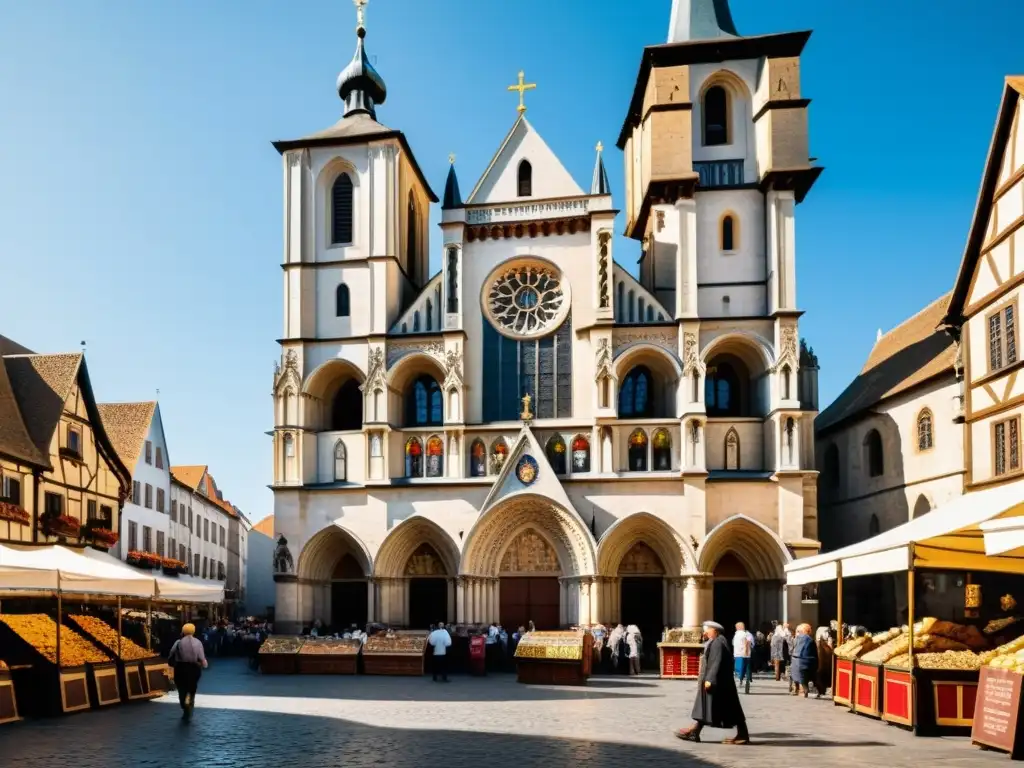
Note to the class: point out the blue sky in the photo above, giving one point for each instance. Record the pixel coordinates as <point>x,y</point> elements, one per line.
<point>140,199</point>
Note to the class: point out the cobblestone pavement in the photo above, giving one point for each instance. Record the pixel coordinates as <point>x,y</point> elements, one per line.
<point>243,718</point>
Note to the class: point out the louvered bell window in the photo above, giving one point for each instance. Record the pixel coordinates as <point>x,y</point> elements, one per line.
<point>341,210</point>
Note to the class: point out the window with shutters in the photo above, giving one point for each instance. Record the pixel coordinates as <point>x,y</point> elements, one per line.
<point>1002,337</point>
<point>159,457</point>
<point>136,492</point>
<point>341,210</point>
<point>90,509</point>
<point>160,543</point>
<point>541,368</point>
<point>133,536</point>
<point>149,496</point>
<point>149,451</point>
<point>159,499</point>
<point>147,539</point>
<point>11,491</point>
<point>1006,446</point>
<point>174,510</point>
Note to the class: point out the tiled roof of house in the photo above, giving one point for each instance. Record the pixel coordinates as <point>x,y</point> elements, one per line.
<point>189,476</point>
<point>265,526</point>
<point>127,425</point>
<point>912,353</point>
<point>11,347</point>
<point>41,384</point>
<point>15,441</point>
<point>211,492</point>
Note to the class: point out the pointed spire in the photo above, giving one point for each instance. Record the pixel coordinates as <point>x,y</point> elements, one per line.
<point>452,197</point>
<point>359,84</point>
<point>600,185</point>
<point>700,20</point>
<point>878,336</point>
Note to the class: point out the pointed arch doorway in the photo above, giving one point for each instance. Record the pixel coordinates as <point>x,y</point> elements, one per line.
<point>349,597</point>
<point>731,602</point>
<point>428,587</point>
<point>642,596</point>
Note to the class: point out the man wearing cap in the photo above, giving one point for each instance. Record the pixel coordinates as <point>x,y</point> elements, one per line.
<point>717,703</point>
<point>189,660</point>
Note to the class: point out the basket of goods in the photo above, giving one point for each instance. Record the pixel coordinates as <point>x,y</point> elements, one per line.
<point>102,633</point>
<point>278,655</point>
<point>552,646</point>
<point>329,656</point>
<point>959,660</point>
<point>395,653</point>
<point>855,648</point>
<point>46,685</point>
<point>1008,656</point>
<point>901,644</point>
<point>685,636</point>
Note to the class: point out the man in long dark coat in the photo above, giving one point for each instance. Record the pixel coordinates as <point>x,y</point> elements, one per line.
<point>717,703</point>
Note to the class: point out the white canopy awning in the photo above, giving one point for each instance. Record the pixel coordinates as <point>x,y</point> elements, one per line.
<point>951,537</point>
<point>20,569</point>
<point>186,589</point>
<point>56,567</point>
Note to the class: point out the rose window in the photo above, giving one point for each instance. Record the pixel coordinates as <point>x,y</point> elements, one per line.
<point>526,300</point>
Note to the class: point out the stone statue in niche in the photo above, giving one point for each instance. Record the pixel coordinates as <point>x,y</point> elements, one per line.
<point>732,450</point>
<point>530,553</point>
<point>424,562</point>
<point>641,560</point>
<point>283,562</point>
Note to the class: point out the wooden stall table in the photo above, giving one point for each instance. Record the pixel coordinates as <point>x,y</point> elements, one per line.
<point>931,702</point>
<point>128,674</point>
<point>680,661</point>
<point>279,655</point>
<point>555,658</point>
<point>843,675</point>
<point>329,656</point>
<point>868,691</point>
<point>8,699</point>
<point>395,653</point>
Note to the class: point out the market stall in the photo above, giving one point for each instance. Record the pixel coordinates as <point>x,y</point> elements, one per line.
<point>329,656</point>
<point>129,655</point>
<point>8,699</point>
<point>679,654</point>
<point>393,652</point>
<point>279,655</point>
<point>925,678</point>
<point>555,658</point>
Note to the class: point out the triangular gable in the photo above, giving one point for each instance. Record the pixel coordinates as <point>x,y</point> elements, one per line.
<point>104,445</point>
<point>127,425</point>
<point>499,183</point>
<point>508,484</point>
<point>967,289</point>
<point>158,422</point>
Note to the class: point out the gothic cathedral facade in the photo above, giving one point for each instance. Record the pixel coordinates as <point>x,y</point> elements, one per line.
<point>532,433</point>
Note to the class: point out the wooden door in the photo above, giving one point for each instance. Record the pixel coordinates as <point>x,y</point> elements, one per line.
<point>532,598</point>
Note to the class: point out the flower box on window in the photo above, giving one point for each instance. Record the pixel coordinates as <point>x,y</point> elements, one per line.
<point>12,513</point>
<point>99,535</point>
<point>62,525</point>
<point>146,560</point>
<point>172,567</point>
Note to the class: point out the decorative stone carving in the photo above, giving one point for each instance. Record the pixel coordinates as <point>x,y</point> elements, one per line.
<point>787,349</point>
<point>641,560</point>
<point>288,373</point>
<point>398,350</point>
<point>376,381</point>
<point>283,562</point>
<point>529,553</point>
<point>425,562</point>
<point>604,296</point>
<point>453,369</point>
<point>691,355</point>
<point>661,337</point>
<point>732,450</point>
<point>295,158</point>
<point>603,363</point>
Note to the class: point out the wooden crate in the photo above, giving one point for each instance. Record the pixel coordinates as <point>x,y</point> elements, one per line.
<point>326,664</point>
<point>868,689</point>
<point>279,663</point>
<point>680,661</point>
<point>132,686</point>
<point>154,675</point>
<point>931,702</point>
<point>8,699</point>
<point>103,684</point>
<point>544,672</point>
<point>842,685</point>
<point>393,664</point>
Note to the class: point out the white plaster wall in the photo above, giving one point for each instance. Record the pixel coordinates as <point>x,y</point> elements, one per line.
<point>159,479</point>
<point>357,278</point>
<point>747,262</point>
<point>355,455</point>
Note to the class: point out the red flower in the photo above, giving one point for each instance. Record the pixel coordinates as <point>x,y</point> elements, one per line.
<point>13,513</point>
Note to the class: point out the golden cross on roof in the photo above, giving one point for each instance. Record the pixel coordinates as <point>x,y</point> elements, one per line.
<point>522,86</point>
<point>600,147</point>
<point>360,12</point>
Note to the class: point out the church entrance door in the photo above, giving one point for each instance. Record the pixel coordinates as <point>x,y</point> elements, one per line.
<point>529,598</point>
<point>348,605</point>
<point>732,595</point>
<point>428,602</point>
<point>643,604</point>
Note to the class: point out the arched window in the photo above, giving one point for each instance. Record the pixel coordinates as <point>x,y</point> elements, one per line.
<point>412,263</point>
<point>580,454</point>
<point>341,210</point>
<point>525,179</point>
<point>631,301</point>
<point>638,451</point>
<point>620,302</point>
<point>831,467</point>
<point>722,391</point>
<point>347,407</point>
<point>925,436</point>
<point>661,448</point>
<point>785,375</point>
<point>635,399</point>
<point>477,459</point>
<point>728,233</point>
<point>922,506</point>
<point>874,527</point>
<point>413,457</point>
<point>873,453</point>
<point>340,468</point>
<point>435,457</point>
<point>289,447</point>
<point>555,452</point>
<point>499,453</point>
<point>424,404</point>
<point>716,116</point>
<point>342,308</point>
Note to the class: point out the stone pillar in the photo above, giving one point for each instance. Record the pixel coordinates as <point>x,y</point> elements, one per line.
<point>460,600</point>
<point>691,604</point>
<point>497,599</point>
<point>370,602</point>
<point>450,586</point>
<point>475,611</point>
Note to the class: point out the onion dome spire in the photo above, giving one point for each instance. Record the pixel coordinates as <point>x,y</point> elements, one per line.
<point>600,185</point>
<point>452,197</point>
<point>359,84</point>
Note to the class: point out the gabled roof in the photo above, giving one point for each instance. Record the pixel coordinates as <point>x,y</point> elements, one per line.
<point>190,476</point>
<point>127,424</point>
<point>15,442</point>
<point>41,385</point>
<point>555,180</point>
<point>1012,92</point>
<point>11,347</point>
<point>912,353</point>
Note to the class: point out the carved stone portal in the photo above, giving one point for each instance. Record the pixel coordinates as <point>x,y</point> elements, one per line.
<point>530,553</point>
<point>641,560</point>
<point>425,562</point>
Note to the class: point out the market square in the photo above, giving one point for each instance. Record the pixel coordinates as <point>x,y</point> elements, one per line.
<point>546,462</point>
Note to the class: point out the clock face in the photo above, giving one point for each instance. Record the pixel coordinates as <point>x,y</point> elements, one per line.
<point>526,470</point>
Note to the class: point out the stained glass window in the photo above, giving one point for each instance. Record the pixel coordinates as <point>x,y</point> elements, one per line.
<point>721,391</point>
<point>541,368</point>
<point>924,431</point>
<point>580,454</point>
<point>499,453</point>
<point>435,457</point>
<point>477,459</point>
<point>635,394</point>
<point>638,451</point>
<point>424,403</point>
<point>556,454</point>
<point>662,450</point>
<point>413,457</point>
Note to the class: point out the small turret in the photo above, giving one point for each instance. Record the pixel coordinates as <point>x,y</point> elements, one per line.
<point>600,185</point>
<point>452,197</point>
<point>700,20</point>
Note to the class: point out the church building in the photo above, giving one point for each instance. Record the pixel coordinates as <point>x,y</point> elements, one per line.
<point>533,433</point>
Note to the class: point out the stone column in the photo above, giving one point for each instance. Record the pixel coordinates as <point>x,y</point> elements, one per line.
<point>497,599</point>
<point>475,611</point>
<point>460,600</point>
<point>691,604</point>
<point>370,602</point>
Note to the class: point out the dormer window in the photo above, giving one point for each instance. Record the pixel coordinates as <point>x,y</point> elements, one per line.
<point>341,210</point>
<point>715,111</point>
<point>525,179</point>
